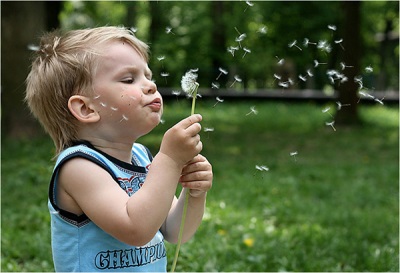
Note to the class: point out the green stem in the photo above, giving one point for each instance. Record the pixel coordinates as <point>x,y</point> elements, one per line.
<point>185,204</point>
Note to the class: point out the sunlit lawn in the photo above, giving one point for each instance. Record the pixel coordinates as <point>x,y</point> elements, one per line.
<point>333,206</point>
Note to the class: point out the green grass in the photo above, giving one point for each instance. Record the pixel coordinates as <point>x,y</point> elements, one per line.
<point>332,207</point>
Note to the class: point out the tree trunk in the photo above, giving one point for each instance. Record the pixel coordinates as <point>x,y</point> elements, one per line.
<point>348,91</point>
<point>21,24</point>
<point>218,40</point>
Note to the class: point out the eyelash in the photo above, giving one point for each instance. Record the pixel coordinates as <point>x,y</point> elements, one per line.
<point>128,81</point>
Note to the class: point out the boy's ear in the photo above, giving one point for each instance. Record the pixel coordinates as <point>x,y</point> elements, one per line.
<point>82,109</point>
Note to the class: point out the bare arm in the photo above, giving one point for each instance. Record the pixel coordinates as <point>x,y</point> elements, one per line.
<point>197,178</point>
<point>136,219</point>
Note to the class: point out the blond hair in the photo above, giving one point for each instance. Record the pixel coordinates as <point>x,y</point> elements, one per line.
<point>64,66</point>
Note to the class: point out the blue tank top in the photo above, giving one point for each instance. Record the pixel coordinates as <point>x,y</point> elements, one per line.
<point>80,245</point>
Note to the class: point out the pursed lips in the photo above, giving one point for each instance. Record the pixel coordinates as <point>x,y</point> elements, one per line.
<point>155,104</point>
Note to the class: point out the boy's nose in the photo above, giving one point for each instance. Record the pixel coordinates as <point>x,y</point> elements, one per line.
<point>149,88</point>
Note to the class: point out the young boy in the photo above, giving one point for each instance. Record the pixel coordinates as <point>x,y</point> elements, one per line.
<point>111,203</point>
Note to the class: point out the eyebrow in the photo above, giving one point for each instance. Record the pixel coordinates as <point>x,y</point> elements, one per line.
<point>134,68</point>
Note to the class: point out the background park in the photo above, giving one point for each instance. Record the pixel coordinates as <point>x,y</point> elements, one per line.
<point>300,122</point>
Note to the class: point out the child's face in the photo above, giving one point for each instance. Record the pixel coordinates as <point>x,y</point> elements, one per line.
<point>125,95</point>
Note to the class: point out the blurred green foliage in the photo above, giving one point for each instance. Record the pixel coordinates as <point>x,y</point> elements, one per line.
<point>194,34</point>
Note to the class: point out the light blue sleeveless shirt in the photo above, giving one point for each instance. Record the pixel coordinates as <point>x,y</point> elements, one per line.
<point>78,244</point>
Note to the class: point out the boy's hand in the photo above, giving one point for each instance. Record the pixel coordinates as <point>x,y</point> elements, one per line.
<point>197,176</point>
<point>182,142</point>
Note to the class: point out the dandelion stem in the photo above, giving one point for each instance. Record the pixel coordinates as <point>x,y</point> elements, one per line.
<point>185,204</point>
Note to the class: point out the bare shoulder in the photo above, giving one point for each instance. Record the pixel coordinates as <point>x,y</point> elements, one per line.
<point>81,184</point>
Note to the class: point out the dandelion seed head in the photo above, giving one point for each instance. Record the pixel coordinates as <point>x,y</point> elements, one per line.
<point>188,82</point>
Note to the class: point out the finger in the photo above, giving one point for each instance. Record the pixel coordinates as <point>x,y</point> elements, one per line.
<point>187,122</point>
<point>197,158</point>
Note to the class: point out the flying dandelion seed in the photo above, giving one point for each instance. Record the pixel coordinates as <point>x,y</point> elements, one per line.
<point>218,101</point>
<point>262,30</point>
<point>359,80</point>
<point>366,95</point>
<point>246,50</point>
<point>262,168</point>
<point>277,77</point>
<point>379,100</point>
<point>340,105</point>
<point>232,50</point>
<point>96,97</point>
<point>133,29</point>
<point>214,85</point>
<point>326,110</point>
<point>207,129</point>
<point>168,30</point>
<point>293,154</point>
<point>280,61</point>
<point>344,66</point>
<point>252,111</point>
<point>331,124</point>
<point>249,4</point>
<point>294,44</point>
<point>114,108</point>
<point>237,79</point>
<point>309,73</point>
<point>307,42</point>
<point>332,27</point>
<point>103,104</point>
<point>33,47</point>
<point>176,93</point>
<point>162,121</point>
<point>316,63</point>
<point>303,78</point>
<point>240,38</point>
<point>161,58</point>
<point>339,42</point>
<point>283,84</point>
<point>124,118</point>
<point>369,69</point>
<point>222,71</point>
<point>323,45</point>
<point>164,75</point>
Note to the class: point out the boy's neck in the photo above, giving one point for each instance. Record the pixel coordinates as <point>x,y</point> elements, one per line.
<point>121,151</point>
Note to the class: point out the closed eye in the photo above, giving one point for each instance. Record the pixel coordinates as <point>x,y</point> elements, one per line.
<point>127,81</point>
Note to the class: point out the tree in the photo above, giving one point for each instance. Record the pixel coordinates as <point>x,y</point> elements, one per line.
<point>21,24</point>
<point>351,55</point>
